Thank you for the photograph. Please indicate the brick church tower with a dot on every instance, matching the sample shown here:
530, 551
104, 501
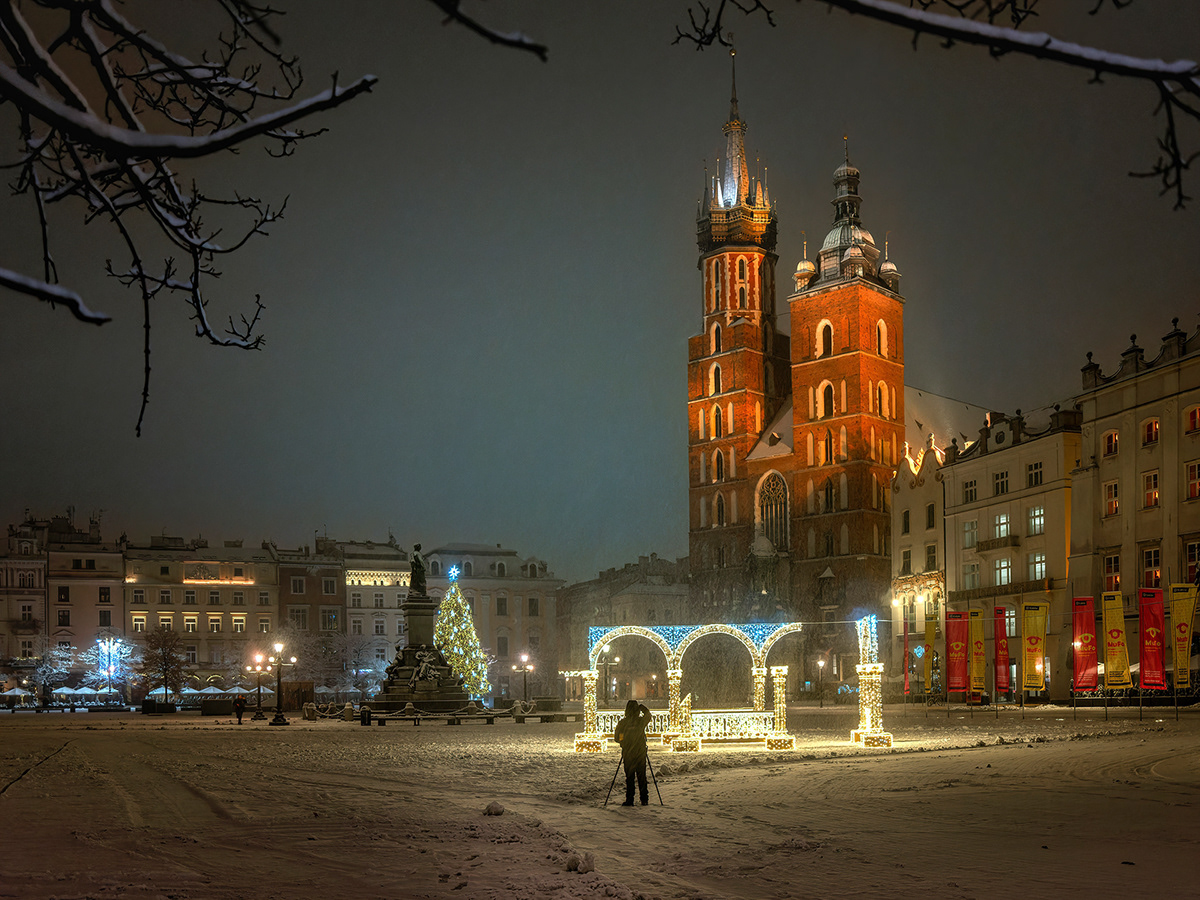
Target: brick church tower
737, 365
793, 436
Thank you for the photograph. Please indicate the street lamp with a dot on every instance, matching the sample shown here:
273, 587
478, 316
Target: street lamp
279, 664
606, 663
524, 668
821, 681
258, 668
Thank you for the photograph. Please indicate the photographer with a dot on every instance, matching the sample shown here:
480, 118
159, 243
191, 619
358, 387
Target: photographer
631, 735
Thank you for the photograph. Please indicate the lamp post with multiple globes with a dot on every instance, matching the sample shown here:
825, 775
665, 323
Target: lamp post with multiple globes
606, 662
278, 661
258, 668
821, 681
524, 668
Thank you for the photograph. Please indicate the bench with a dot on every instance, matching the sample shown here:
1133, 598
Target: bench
548, 717
449, 720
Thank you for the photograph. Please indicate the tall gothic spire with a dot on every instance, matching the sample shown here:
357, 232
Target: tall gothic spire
736, 187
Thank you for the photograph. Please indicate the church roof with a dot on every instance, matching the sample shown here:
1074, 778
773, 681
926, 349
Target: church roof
777, 439
927, 413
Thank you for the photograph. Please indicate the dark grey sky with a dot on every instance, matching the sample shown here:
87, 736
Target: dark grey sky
478, 304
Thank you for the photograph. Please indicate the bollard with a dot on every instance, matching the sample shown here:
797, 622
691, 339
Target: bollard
364, 715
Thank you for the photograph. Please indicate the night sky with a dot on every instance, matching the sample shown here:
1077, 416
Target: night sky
479, 300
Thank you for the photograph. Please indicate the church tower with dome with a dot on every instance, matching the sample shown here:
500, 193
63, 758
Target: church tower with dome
793, 435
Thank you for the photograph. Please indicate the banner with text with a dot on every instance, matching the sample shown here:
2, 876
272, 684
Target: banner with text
956, 651
930, 634
1151, 660
1116, 653
1033, 645
1000, 624
978, 653
1086, 661
1183, 608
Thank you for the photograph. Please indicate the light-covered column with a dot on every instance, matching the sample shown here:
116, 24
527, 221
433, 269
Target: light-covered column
760, 688
674, 682
779, 686
870, 731
590, 741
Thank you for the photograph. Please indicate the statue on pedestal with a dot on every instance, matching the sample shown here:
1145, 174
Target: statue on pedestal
416, 584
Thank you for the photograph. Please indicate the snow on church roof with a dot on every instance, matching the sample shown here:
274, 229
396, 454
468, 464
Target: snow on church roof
777, 439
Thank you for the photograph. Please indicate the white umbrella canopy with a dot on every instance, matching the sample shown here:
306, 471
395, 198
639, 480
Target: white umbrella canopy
67, 690
191, 690
213, 689
17, 692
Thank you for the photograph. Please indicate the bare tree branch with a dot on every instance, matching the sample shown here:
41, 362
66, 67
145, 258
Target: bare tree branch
514, 40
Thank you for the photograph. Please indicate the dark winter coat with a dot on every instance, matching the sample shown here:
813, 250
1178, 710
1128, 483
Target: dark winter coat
631, 732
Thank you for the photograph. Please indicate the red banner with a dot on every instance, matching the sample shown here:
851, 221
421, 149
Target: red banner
956, 651
1001, 639
1152, 665
1086, 670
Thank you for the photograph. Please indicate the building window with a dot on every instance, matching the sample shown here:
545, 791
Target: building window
999, 483
435, 567
380, 626
298, 616
164, 598
379, 599
264, 598
356, 626
328, 586
931, 557
190, 654
1150, 432
1000, 525
1033, 474
26, 649
502, 606
772, 507
930, 516
1192, 555
214, 625
356, 599
297, 584
1112, 572
139, 596
214, 598
533, 607
718, 466
329, 620
1112, 504
1193, 480
189, 598
1111, 443
26, 612
239, 598
191, 624
1150, 489
164, 623
1151, 567
64, 593
105, 618
1037, 566
1003, 571
970, 533
904, 523
264, 626
139, 623
502, 647
380, 655
77, 564
1037, 520
970, 576
239, 572
105, 595
905, 562
239, 624
64, 618
969, 491
1193, 419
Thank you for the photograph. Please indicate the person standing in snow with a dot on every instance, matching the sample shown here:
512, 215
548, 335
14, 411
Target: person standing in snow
631, 735
239, 707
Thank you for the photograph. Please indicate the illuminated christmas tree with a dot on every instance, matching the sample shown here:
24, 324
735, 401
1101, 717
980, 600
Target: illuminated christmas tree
454, 634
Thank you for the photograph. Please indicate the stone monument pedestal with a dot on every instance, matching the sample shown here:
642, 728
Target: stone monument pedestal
419, 674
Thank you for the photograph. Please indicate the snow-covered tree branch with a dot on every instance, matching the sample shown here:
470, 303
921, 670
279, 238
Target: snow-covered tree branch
995, 24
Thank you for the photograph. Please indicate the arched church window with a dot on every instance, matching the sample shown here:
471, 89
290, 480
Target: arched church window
741, 270
435, 567
719, 512
829, 543
719, 466
716, 421
827, 407
716, 338
827, 448
741, 298
773, 510
826, 339
827, 496
881, 338
714, 380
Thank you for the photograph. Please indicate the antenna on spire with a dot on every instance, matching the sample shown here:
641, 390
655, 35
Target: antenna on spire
733, 110
804, 234
846, 146
885, 243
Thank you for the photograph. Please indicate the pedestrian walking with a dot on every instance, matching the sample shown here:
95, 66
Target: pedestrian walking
239, 707
631, 735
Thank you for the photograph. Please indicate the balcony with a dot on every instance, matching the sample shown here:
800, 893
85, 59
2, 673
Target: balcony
1040, 586
1000, 543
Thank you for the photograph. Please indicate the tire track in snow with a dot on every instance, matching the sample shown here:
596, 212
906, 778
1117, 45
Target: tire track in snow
40, 762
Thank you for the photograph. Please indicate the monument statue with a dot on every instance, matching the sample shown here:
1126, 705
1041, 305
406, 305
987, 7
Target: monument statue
416, 584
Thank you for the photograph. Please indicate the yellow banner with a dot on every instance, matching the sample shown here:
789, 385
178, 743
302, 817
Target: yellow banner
1183, 608
1033, 645
1116, 653
978, 652
930, 634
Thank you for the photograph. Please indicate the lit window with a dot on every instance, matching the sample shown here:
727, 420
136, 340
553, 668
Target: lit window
1037, 520
999, 483
214, 625
1003, 571
1150, 489
239, 624
1112, 572
1033, 474
329, 620
1112, 504
1193, 480
1000, 525
1111, 443
1150, 432
190, 624
139, 623
1193, 419
1151, 567
1037, 566
164, 622
264, 626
